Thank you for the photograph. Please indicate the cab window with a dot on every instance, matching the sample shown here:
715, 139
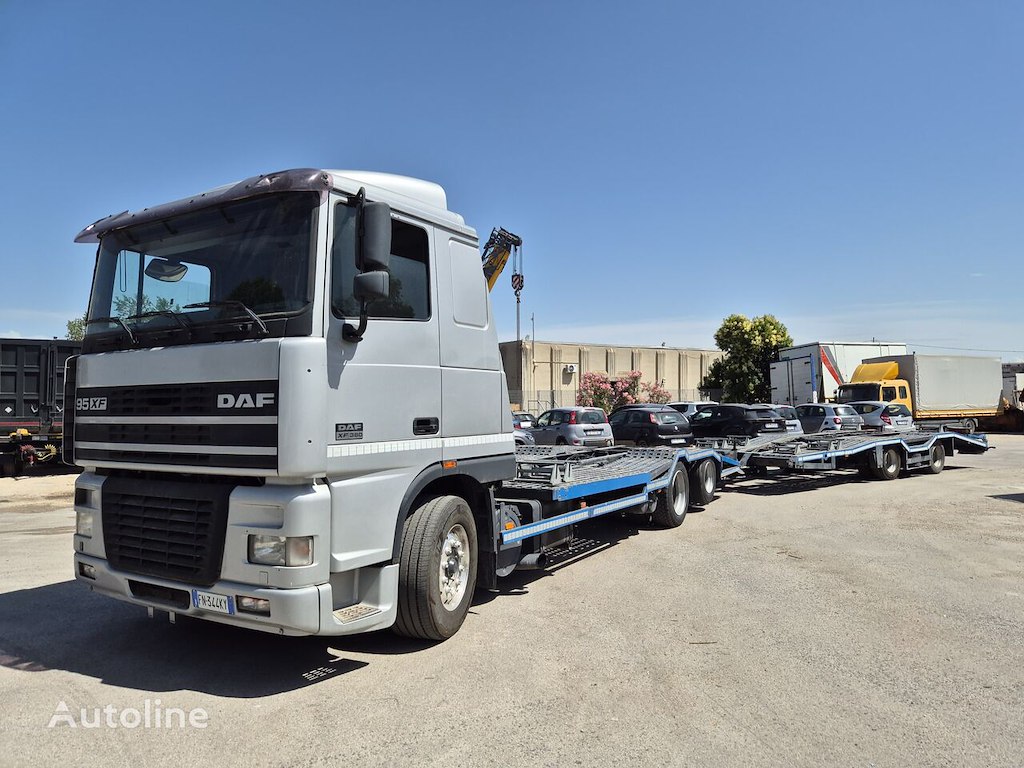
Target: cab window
889, 393
903, 393
408, 268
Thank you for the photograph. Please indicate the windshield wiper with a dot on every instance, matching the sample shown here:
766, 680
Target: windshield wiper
120, 321
176, 316
238, 305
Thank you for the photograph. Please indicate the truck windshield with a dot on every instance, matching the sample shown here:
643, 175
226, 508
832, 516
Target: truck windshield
246, 256
850, 393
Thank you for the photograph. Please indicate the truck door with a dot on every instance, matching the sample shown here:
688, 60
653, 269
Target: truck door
385, 390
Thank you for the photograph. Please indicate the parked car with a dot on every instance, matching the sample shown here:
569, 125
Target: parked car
573, 426
690, 407
887, 417
523, 420
823, 417
650, 424
787, 412
729, 419
523, 437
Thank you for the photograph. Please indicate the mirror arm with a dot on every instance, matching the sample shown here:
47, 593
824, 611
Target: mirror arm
350, 333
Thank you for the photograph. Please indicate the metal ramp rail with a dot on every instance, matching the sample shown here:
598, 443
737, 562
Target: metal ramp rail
827, 450
617, 478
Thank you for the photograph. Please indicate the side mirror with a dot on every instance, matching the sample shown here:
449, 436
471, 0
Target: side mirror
369, 286
375, 237
366, 287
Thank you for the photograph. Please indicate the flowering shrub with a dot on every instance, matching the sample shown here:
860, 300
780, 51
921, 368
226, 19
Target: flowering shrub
655, 393
598, 391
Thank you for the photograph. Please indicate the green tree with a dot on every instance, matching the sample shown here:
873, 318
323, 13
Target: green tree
750, 346
76, 328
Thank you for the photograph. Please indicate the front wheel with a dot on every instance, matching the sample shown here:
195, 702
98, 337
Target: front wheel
889, 468
437, 569
674, 501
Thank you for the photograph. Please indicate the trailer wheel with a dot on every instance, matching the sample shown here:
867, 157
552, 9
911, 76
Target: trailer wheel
673, 501
889, 468
704, 480
437, 569
937, 459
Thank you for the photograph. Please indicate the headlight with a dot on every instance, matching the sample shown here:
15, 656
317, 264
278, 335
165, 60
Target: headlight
83, 523
280, 550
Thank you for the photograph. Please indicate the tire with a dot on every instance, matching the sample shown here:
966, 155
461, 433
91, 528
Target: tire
937, 459
561, 441
889, 469
437, 569
674, 501
866, 471
704, 481
641, 443
971, 426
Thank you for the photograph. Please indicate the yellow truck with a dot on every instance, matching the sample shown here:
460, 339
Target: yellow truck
936, 388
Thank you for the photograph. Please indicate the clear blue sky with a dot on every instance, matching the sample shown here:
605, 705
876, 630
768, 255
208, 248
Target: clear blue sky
856, 169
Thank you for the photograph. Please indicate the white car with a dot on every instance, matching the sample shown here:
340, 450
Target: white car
690, 407
887, 417
788, 412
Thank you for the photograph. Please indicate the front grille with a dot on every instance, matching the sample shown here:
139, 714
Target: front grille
165, 528
186, 399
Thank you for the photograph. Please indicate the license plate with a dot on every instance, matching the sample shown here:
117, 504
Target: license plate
771, 426
210, 601
592, 431
677, 440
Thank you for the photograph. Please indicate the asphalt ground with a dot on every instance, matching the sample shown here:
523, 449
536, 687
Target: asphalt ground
819, 619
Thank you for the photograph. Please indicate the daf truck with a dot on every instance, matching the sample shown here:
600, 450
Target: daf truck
291, 415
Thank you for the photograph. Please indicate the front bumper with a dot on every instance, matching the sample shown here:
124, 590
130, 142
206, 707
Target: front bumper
299, 611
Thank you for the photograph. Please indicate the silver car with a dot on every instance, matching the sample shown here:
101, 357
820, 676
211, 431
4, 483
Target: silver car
573, 426
825, 417
690, 407
887, 417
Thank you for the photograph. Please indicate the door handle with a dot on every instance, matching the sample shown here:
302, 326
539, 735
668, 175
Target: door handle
426, 426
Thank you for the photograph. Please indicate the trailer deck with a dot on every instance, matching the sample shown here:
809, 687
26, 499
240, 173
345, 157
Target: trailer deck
596, 481
830, 450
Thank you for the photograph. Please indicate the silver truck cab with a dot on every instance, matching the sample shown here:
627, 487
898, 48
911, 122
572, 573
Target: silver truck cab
268, 394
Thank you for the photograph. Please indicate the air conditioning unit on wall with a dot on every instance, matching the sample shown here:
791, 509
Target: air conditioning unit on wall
570, 368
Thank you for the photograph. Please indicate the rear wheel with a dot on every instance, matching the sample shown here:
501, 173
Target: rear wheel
971, 426
673, 501
937, 459
889, 468
437, 569
703, 481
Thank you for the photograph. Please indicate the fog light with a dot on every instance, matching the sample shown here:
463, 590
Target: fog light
87, 571
83, 523
280, 550
252, 605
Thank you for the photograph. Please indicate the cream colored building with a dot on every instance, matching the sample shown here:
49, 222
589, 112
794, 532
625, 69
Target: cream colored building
546, 374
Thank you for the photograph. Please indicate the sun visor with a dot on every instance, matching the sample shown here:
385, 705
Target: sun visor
876, 371
302, 179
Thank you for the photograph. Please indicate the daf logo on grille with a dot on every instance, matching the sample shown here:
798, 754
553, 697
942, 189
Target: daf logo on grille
245, 400
91, 404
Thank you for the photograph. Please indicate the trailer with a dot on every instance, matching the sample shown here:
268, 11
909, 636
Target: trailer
32, 400
874, 454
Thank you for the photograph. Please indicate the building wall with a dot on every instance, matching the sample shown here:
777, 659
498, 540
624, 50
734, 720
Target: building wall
538, 377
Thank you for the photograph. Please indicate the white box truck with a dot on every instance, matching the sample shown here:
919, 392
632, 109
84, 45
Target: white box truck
811, 373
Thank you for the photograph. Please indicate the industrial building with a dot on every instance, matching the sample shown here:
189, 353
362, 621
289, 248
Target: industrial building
546, 374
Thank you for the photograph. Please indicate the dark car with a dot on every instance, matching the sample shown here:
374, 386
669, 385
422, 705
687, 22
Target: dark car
644, 425
728, 419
